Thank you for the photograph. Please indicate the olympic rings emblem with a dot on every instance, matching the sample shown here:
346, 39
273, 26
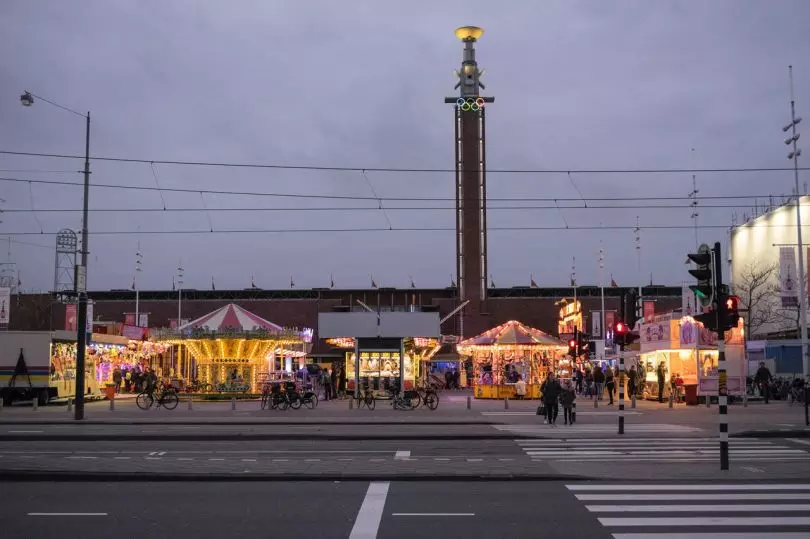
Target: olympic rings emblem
473, 104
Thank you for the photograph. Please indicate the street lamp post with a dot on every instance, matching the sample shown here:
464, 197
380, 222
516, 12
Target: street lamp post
27, 99
794, 156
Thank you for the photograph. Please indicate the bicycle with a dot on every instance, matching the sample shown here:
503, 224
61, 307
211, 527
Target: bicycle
166, 397
429, 396
365, 396
197, 386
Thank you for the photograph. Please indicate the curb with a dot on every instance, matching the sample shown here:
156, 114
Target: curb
251, 437
242, 422
140, 477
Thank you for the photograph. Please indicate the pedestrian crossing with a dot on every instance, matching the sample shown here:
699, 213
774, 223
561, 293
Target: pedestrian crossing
584, 429
658, 450
712, 511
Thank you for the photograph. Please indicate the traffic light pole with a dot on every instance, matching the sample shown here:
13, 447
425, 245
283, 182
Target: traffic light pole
722, 375
621, 389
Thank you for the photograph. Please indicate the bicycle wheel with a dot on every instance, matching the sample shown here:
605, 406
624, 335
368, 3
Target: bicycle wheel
169, 400
432, 401
265, 400
295, 403
280, 402
312, 402
370, 401
144, 401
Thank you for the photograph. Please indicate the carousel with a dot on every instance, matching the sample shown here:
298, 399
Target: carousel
235, 350
510, 352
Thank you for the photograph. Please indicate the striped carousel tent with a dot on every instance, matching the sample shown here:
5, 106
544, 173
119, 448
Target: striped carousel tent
232, 318
512, 333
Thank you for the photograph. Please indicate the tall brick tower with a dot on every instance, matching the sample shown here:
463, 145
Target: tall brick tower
471, 185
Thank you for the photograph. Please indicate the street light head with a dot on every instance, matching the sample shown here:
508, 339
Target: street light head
797, 121
469, 33
789, 141
788, 126
27, 99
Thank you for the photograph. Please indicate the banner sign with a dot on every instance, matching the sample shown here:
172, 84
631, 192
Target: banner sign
688, 305
649, 311
70, 317
610, 320
5, 305
788, 286
129, 319
132, 332
89, 317
144, 320
596, 324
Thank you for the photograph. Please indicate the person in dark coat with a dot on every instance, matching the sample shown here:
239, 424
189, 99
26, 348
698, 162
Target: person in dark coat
661, 373
567, 398
763, 378
551, 394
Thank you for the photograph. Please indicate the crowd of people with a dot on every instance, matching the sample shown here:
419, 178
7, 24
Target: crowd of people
134, 380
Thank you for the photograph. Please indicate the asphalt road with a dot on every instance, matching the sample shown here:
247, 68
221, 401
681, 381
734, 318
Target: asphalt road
396, 510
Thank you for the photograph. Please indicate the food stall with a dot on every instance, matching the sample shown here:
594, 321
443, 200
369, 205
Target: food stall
235, 350
511, 350
687, 349
380, 367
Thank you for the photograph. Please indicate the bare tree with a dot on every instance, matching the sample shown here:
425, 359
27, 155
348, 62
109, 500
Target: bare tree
758, 295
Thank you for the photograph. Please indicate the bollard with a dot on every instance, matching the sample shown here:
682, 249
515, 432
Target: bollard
233, 403
574, 412
1, 404
806, 409
469, 402
35, 403
633, 400
112, 404
189, 402
745, 400
351, 403
671, 399
70, 405
595, 402
708, 401
506, 403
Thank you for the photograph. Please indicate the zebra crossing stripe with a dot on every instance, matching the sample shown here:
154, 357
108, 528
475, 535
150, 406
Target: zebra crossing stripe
691, 535
681, 487
706, 521
742, 508
695, 496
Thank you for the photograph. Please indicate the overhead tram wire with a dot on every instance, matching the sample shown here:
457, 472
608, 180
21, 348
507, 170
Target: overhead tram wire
376, 199
410, 170
364, 230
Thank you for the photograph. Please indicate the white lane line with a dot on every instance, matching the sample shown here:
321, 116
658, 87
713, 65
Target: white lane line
152, 458
368, 519
312, 460
753, 469
25, 431
78, 457
743, 508
506, 460
281, 460
758, 486
216, 459
636, 441
122, 458
248, 460
440, 458
798, 441
185, 458
707, 521
345, 460
67, 514
432, 514
740, 458
474, 460
732, 535
734, 496
161, 453
402, 454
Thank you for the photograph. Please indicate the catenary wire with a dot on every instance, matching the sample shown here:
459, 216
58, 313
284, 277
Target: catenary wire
413, 170
375, 199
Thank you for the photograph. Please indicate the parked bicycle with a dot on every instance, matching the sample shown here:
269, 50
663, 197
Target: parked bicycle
365, 397
162, 396
429, 396
196, 386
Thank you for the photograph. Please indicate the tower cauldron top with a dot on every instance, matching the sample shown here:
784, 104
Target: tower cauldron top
469, 78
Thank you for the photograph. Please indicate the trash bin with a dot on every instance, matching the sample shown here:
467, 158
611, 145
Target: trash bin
691, 395
109, 389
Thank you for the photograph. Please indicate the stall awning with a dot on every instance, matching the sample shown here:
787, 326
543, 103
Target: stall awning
510, 334
231, 317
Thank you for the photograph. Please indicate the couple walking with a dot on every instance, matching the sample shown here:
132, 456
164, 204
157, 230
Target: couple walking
553, 395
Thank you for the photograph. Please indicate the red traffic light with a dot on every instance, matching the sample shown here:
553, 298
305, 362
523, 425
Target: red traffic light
731, 303
620, 328
572, 343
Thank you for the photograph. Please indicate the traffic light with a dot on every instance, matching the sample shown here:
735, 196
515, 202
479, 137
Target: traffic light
731, 315
704, 289
572, 348
620, 333
631, 314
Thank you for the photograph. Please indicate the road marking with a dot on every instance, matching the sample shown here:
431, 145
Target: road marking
248, 460
506, 460
707, 521
281, 460
152, 458
474, 460
162, 453
185, 458
368, 519
312, 460
376, 460
78, 457
695, 508
432, 514
122, 458
216, 459
402, 455
752, 469
694, 496
440, 458
759, 486
67, 514
797, 441
25, 431
733, 535
338, 459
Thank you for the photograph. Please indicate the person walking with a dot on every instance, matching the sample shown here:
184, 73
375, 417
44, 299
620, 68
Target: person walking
632, 380
551, 394
764, 378
326, 382
610, 384
567, 398
579, 378
662, 374
520, 388
117, 377
599, 381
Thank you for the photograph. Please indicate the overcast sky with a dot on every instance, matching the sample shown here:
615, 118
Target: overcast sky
578, 85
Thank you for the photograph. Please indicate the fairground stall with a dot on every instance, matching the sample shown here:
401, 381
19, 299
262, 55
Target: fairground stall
380, 365
512, 350
683, 348
235, 350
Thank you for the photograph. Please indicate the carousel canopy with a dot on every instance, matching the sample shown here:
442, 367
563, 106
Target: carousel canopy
512, 333
231, 318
